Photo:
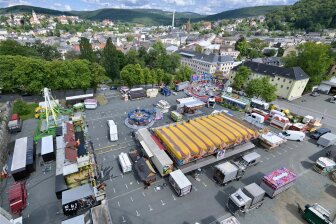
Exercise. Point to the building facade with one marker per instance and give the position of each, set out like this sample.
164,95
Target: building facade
202,63
290,82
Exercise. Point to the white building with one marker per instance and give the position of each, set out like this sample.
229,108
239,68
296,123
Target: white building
202,63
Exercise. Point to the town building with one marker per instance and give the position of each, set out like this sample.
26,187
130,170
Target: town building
34,19
276,61
290,82
202,63
228,50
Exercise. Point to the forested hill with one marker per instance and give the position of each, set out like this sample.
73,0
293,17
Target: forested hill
308,15
244,12
28,9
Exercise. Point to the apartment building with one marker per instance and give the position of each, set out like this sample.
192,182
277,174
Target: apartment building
203,63
290,82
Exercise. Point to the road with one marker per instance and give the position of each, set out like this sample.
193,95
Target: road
315,106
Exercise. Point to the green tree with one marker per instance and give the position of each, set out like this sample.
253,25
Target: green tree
198,49
241,77
147,73
167,79
132,75
159,73
47,52
242,46
184,73
110,60
153,77
132,57
261,88
86,51
11,47
314,59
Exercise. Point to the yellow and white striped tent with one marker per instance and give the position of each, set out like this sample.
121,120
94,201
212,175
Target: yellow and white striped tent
202,136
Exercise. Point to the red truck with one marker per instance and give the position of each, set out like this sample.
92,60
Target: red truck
15,124
17,197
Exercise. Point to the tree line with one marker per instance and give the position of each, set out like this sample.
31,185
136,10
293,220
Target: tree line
307,15
30,75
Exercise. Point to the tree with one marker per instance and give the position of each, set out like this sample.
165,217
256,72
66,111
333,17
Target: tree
184,73
132,57
270,53
159,73
241,77
153,77
132,75
110,60
254,88
47,52
312,58
242,46
198,49
11,47
333,44
86,51
261,88
167,79
147,76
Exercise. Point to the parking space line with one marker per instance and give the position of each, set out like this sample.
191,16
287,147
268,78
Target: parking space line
195,188
123,219
143,193
162,203
150,208
131,199
126,186
118,204
174,197
267,158
114,189
273,155
138,214
279,152
204,184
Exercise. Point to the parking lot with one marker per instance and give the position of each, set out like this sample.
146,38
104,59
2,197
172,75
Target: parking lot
130,202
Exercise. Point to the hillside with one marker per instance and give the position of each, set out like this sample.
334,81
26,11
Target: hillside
140,16
28,9
243,12
308,15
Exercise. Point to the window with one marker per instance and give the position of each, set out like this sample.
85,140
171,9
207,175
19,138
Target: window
278,79
281,86
287,88
290,81
272,80
284,80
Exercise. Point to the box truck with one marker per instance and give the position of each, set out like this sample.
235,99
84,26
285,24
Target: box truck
180,183
113,130
278,181
227,172
246,199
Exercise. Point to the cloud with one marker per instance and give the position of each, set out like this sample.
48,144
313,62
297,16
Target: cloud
67,7
180,2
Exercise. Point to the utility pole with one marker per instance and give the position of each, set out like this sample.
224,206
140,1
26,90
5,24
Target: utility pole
173,19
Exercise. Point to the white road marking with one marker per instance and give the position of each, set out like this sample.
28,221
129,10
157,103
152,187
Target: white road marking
195,188
114,156
279,152
154,189
123,219
204,184
138,182
126,186
162,203
122,176
131,183
267,158
131,199
150,208
143,193
138,214
273,155
114,190
118,204
174,197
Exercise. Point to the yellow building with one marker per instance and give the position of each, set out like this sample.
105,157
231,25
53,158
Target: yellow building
290,82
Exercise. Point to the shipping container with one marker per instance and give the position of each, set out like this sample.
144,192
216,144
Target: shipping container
125,163
18,161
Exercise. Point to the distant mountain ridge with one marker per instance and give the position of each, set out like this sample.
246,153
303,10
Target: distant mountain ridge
145,16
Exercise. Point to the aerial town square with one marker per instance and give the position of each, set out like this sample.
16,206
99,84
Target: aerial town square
183,112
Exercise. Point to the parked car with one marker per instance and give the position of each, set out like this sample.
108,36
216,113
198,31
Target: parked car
314,94
293,135
319,132
113,88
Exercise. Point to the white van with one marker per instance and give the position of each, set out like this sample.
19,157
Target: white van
293,135
254,118
274,112
125,162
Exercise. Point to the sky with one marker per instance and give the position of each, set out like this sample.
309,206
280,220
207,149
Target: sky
198,6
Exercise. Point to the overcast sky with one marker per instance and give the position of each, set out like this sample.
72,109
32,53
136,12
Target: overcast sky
199,6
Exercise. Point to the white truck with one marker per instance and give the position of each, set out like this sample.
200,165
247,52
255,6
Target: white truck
246,199
113,130
180,183
125,162
227,172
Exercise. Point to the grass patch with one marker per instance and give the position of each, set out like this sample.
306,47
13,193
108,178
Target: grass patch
24,109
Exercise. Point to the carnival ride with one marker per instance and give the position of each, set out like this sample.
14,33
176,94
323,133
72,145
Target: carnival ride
140,118
50,115
204,89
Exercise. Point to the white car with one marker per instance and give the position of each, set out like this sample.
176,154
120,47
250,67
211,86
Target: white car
293,135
